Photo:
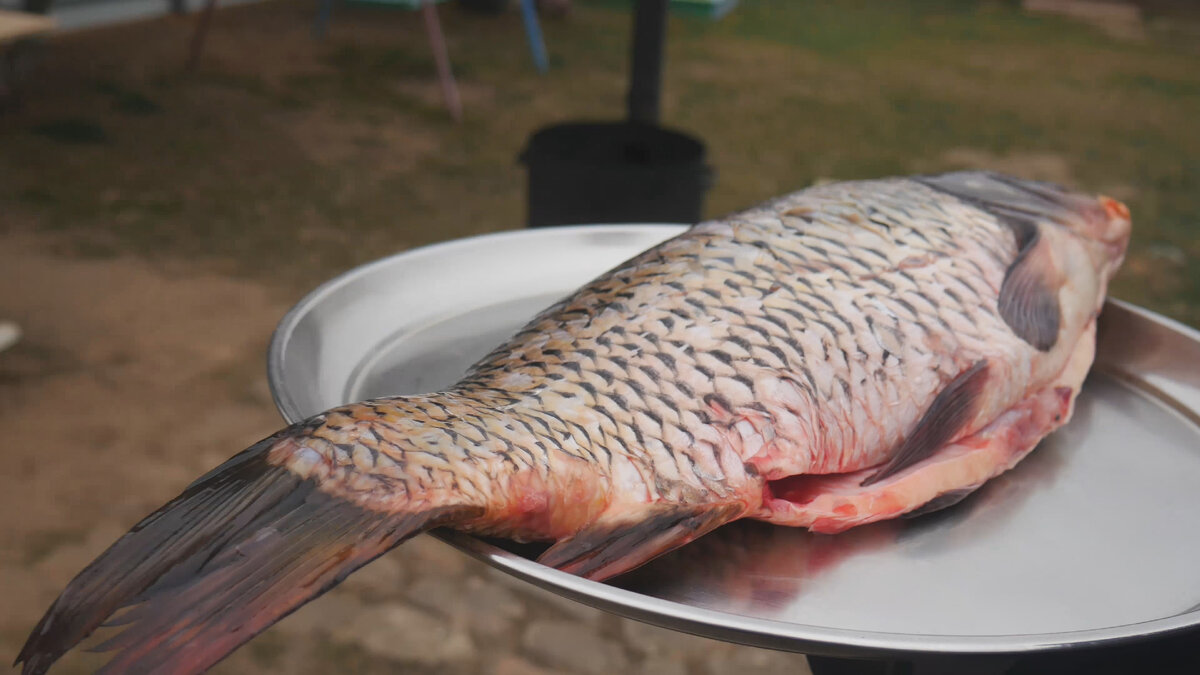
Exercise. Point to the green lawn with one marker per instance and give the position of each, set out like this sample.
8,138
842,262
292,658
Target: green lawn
289,159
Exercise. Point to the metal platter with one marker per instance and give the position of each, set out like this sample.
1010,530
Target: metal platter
1092,540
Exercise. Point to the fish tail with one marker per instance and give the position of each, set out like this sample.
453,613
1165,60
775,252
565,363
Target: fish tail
239,549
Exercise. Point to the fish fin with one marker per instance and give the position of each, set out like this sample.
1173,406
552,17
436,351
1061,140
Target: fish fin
611,546
1016,203
943,501
951,409
1029,294
238,550
1028,300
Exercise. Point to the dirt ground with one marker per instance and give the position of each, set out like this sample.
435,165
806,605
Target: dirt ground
129,381
155,225
133,378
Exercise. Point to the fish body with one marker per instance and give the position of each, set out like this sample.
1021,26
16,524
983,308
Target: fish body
844,354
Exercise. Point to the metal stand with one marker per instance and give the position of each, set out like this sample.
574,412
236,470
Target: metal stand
1172,655
827,665
441,58
533,31
646,62
200,35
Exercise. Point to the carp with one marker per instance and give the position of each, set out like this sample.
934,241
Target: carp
844,354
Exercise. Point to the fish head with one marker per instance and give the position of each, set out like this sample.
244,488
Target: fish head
1107,234
1099,225
1089,235
1068,246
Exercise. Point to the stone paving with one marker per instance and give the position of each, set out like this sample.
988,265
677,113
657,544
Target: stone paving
129,381
428,608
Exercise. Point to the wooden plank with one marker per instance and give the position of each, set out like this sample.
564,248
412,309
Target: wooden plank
17,25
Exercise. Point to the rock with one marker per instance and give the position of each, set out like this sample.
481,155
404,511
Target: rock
664,665
323,615
652,640
574,646
444,596
536,596
405,634
486,607
426,556
754,661
515,665
380,580
491,609
576,610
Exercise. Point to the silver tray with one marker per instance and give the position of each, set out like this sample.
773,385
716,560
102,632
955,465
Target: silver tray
1092,540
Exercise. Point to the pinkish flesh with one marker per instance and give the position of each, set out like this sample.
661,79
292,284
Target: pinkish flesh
832,503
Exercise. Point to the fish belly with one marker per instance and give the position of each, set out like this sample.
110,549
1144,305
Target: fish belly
830,504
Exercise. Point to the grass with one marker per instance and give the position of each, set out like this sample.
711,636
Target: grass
290,159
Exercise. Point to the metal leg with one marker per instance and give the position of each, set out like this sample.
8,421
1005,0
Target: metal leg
8,90
645,81
533,31
324,13
17,61
438,43
828,665
200,34
922,665
36,6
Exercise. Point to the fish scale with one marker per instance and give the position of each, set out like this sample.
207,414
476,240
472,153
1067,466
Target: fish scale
847,353
791,298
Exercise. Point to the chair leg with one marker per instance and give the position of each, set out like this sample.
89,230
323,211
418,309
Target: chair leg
440,56
200,35
8,90
324,13
533,31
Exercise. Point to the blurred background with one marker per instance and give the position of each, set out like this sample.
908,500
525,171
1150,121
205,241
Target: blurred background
163,201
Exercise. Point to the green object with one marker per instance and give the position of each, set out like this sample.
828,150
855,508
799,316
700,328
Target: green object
713,9
401,4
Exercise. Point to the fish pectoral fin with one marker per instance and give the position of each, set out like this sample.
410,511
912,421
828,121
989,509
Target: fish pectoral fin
614,545
1028,300
943,501
951,409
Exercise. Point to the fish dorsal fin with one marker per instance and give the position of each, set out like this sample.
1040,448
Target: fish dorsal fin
1028,300
951,409
614,545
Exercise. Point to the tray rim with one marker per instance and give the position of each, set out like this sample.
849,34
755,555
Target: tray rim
727,626
286,404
